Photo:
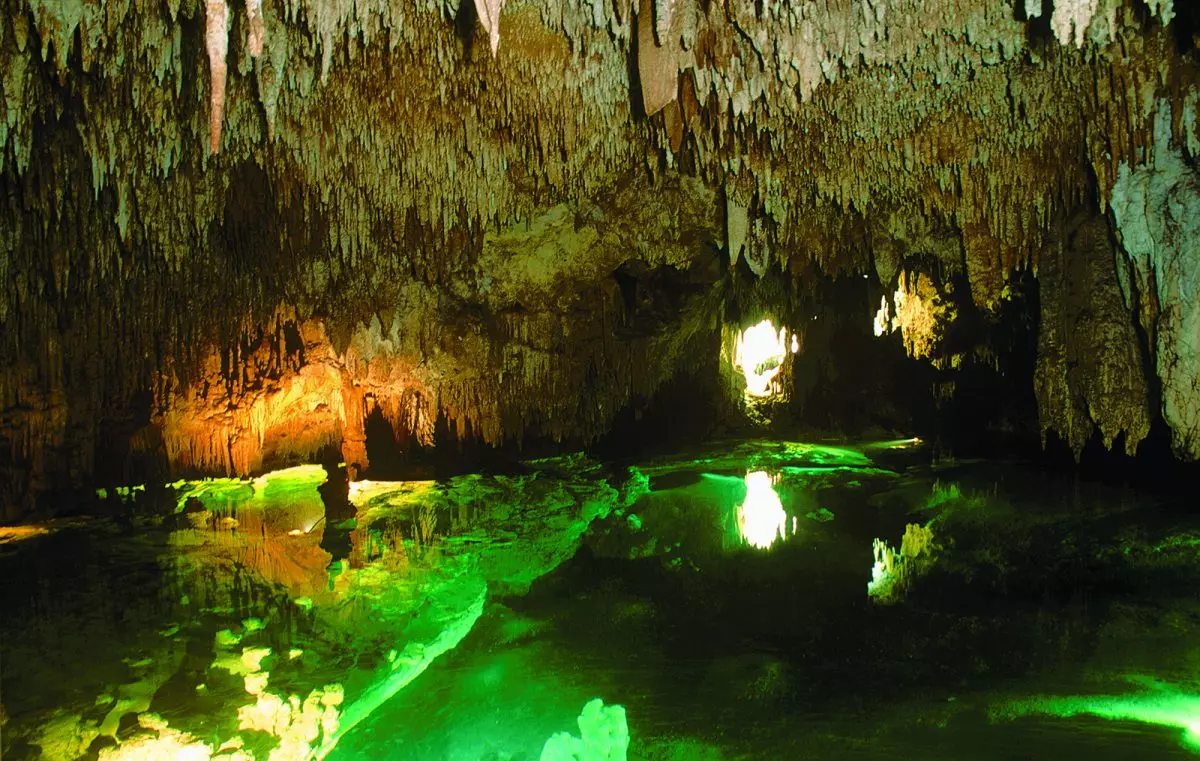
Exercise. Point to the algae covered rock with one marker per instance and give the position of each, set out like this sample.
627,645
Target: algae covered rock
603,736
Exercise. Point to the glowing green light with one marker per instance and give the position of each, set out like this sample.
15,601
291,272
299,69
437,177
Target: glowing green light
823,454
1165,705
288,500
455,615
373,498
774,456
280,485
603,736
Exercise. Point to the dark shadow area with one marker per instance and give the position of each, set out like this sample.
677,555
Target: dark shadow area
989,408
1038,34
464,28
339,512
637,107
974,397
383,450
687,410
1186,27
848,382
1154,468
407,459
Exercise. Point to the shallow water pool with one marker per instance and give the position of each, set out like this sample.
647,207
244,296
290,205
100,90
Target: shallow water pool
747,600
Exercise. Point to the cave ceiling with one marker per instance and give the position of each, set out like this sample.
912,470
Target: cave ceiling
260,212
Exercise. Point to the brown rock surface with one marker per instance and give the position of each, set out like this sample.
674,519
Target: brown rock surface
435,220
1090,370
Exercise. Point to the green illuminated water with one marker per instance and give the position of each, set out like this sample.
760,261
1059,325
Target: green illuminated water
720,596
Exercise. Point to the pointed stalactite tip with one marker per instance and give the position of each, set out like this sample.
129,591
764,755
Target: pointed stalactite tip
489,16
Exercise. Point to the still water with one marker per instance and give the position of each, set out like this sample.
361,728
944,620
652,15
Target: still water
748,600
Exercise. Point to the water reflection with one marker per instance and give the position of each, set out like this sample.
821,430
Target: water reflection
10,534
234,630
761,519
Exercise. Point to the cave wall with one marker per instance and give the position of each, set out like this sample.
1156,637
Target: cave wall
1156,207
232,232
1091,371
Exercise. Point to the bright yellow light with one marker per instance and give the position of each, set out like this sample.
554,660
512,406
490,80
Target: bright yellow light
761,519
759,354
359,486
10,534
894,444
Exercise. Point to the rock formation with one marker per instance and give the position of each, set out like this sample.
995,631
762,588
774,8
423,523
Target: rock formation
232,232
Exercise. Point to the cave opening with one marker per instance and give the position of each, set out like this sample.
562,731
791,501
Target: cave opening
759,353
620,380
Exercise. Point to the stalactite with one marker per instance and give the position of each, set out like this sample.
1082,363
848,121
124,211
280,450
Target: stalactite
216,41
664,16
1071,19
1156,206
922,313
489,16
658,68
126,255
256,34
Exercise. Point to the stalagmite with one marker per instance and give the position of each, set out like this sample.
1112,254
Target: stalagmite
216,40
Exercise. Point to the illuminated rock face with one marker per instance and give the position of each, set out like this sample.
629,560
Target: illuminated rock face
919,311
512,346
1157,210
177,176
533,339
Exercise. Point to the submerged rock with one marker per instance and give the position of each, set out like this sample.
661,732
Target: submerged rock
335,640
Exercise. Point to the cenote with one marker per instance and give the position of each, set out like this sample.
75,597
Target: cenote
746,599
623,380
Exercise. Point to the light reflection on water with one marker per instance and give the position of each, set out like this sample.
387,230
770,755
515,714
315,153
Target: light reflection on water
761,519
767,654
